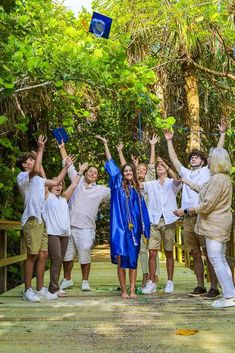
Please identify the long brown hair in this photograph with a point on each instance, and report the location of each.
(135, 182)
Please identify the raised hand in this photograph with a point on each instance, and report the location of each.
(155, 139)
(41, 142)
(222, 126)
(69, 160)
(168, 135)
(135, 160)
(120, 146)
(103, 139)
(83, 167)
(62, 145)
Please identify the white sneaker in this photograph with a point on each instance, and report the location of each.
(66, 283)
(169, 287)
(149, 288)
(223, 303)
(30, 296)
(45, 294)
(85, 286)
(61, 293)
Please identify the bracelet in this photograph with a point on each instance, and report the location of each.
(80, 174)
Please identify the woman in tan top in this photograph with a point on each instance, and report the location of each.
(214, 220)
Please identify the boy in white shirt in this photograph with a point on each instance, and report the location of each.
(32, 188)
(161, 204)
(198, 173)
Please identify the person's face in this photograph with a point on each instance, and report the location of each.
(28, 164)
(141, 172)
(128, 173)
(57, 190)
(161, 170)
(196, 161)
(91, 175)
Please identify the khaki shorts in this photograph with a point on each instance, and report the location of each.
(162, 232)
(35, 236)
(191, 239)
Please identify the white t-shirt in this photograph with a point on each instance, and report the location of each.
(33, 193)
(162, 200)
(85, 201)
(57, 210)
(198, 176)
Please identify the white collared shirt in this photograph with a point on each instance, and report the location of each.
(85, 201)
(58, 222)
(199, 176)
(33, 193)
(162, 200)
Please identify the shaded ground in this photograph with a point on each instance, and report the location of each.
(99, 321)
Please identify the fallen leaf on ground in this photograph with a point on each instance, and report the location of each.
(186, 332)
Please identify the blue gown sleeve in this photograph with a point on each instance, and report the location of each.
(115, 176)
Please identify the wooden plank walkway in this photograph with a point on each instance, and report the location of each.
(99, 321)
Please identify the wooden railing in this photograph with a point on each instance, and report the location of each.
(4, 260)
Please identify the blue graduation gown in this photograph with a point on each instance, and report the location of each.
(121, 237)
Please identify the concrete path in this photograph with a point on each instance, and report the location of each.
(100, 321)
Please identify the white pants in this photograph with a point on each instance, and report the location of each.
(80, 244)
(216, 253)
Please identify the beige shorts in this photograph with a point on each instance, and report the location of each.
(162, 233)
(80, 244)
(191, 239)
(35, 236)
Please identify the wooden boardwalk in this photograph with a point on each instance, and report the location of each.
(99, 321)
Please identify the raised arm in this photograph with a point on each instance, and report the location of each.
(174, 175)
(106, 147)
(63, 151)
(153, 142)
(222, 128)
(120, 153)
(69, 191)
(37, 168)
(54, 182)
(171, 151)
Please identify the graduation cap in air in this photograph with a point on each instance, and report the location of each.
(100, 25)
(60, 134)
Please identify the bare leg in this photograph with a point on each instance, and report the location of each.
(132, 278)
(121, 272)
(40, 268)
(152, 265)
(144, 279)
(28, 270)
(169, 264)
(68, 266)
(198, 266)
(85, 271)
(213, 278)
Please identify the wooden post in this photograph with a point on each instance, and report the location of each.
(3, 255)
(22, 251)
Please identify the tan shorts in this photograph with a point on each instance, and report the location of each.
(35, 236)
(162, 232)
(191, 239)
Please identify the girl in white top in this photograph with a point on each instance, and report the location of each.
(58, 227)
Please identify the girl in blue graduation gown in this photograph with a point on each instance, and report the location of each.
(128, 220)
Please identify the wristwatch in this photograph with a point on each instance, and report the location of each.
(186, 211)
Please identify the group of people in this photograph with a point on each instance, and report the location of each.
(143, 214)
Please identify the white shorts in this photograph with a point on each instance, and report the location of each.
(80, 244)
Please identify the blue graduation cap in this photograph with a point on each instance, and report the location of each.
(60, 134)
(100, 25)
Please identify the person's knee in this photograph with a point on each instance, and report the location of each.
(152, 254)
(32, 258)
(196, 254)
(169, 254)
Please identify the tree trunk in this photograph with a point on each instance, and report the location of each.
(191, 88)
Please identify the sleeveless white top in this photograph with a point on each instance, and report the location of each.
(58, 222)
